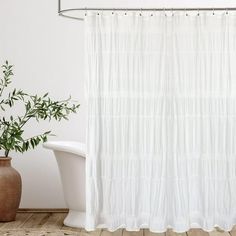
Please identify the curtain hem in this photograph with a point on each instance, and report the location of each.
(159, 225)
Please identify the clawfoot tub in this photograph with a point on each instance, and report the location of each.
(70, 157)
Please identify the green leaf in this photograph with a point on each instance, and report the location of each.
(35, 107)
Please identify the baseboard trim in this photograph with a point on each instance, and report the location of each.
(43, 210)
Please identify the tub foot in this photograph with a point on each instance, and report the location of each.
(75, 219)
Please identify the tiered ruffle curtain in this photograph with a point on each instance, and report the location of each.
(161, 135)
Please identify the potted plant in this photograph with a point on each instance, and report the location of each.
(12, 137)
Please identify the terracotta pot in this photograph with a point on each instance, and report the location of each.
(10, 190)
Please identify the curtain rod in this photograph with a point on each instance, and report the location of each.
(63, 12)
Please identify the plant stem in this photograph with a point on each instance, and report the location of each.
(6, 153)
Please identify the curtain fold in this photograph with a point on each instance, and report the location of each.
(161, 130)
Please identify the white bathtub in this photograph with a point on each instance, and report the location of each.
(71, 162)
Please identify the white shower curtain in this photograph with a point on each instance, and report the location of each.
(161, 135)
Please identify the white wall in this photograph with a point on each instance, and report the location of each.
(47, 51)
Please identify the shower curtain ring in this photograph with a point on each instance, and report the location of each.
(164, 10)
(198, 12)
(85, 11)
(213, 11)
(140, 12)
(185, 11)
(226, 11)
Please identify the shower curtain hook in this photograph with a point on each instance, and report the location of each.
(186, 14)
(198, 12)
(226, 11)
(140, 12)
(164, 9)
(172, 11)
(85, 11)
(213, 11)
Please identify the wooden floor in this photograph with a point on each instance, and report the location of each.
(54, 221)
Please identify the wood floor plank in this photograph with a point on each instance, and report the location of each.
(115, 233)
(21, 218)
(64, 227)
(133, 233)
(170, 232)
(96, 232)
(218, 233)
(232, 232)
(147, 232)
(197, 232)
(36, 220)
(55, 221)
